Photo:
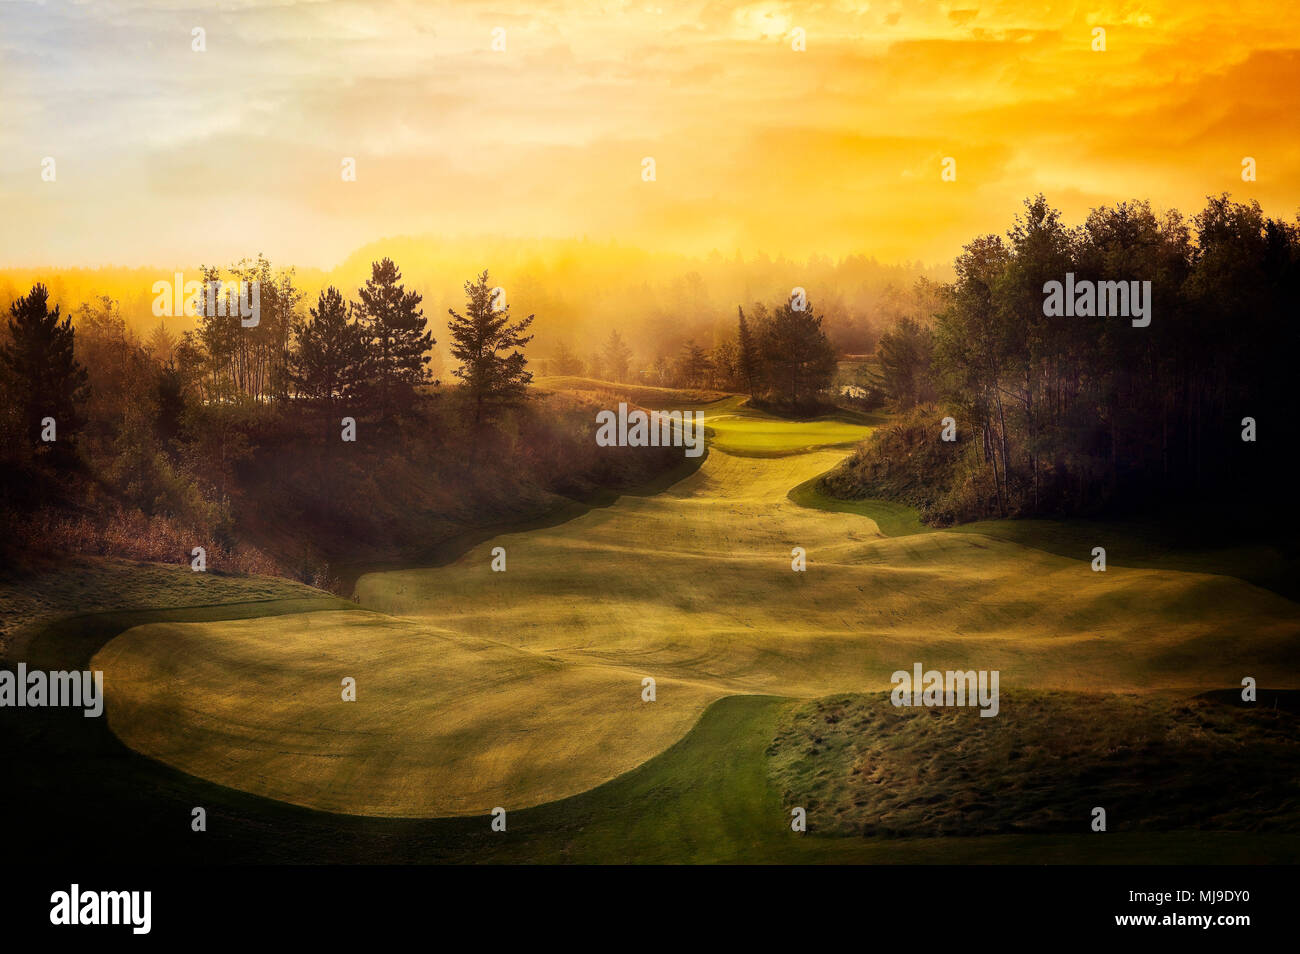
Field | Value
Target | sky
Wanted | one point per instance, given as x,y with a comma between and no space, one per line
164,155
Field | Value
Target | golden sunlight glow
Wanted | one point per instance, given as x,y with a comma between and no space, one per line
170,156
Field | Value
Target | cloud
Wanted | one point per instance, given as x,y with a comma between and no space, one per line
166,152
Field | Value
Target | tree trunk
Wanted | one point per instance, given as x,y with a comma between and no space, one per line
997,488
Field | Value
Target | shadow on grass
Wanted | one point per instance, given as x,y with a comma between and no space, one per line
449,549
1164,544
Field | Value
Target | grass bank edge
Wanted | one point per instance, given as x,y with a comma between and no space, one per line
1127,544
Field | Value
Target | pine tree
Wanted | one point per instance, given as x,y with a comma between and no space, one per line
565,362
693,366
905,355
723,361
799,359
330,361
161,343
661,372
42,374
394,325
617,356
478,338
747,356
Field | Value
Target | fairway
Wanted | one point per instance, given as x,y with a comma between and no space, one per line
478,688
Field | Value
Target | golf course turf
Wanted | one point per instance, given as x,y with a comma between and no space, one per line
523,689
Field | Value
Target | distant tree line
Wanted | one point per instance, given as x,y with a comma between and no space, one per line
146,446
781,354
372,349
84,380
375,348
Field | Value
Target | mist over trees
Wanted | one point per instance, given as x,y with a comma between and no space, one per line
227,359
905,355
565,361
782,355
795,358
616,357
1052,414
747,369
137,446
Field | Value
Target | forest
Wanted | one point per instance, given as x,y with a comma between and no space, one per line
1087,414
319,435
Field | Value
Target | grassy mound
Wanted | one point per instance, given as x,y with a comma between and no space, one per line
1150,543
1161,762
909,481
907,463
893,519
38,589
298,501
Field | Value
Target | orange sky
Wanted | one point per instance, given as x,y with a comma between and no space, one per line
167,156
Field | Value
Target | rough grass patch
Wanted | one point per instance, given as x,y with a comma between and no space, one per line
1156,763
